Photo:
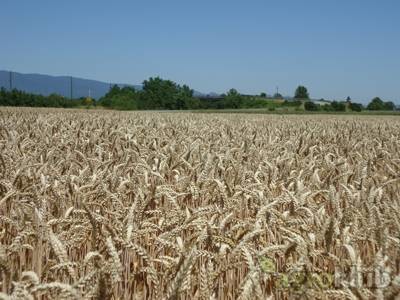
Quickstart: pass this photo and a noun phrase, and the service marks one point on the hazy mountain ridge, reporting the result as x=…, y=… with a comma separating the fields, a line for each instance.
x=47, y=84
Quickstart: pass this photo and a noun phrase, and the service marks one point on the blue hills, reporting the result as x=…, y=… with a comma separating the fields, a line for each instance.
x=46, y=85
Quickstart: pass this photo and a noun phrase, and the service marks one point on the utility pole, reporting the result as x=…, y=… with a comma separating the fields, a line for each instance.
x=11, y=83
x=70, y=83
x=277, y=89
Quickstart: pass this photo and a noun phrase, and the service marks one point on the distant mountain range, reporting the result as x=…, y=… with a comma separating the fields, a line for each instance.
x=47, y=84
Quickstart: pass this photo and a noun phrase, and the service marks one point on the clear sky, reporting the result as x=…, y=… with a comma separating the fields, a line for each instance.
x=335, y=48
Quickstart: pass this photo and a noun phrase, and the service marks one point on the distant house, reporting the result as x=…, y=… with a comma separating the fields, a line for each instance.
x=321, y=102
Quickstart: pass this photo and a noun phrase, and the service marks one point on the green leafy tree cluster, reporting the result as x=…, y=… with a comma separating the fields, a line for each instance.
x=165, y=94
x=157, y=93
x=125, y=98
x=378, y=104
x=301, y=93
x=20, y=98
x=233, y=99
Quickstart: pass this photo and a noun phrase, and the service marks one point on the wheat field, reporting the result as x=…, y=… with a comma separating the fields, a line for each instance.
x=155, y=205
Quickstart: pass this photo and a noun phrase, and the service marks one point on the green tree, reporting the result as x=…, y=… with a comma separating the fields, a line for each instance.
x=233, y=99
x=389, y=105
x=278, y=96
x=376, y=104
x=125, y=98
x=301, y=93
x=114, y=90
x=159, y=94
x=263, y=95
x=184, y=97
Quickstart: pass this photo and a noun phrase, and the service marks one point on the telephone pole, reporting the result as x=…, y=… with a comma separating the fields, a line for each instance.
x=70, y=85
x=11, y=83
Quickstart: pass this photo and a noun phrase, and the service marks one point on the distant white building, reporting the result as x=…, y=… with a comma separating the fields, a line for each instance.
x=321, y=102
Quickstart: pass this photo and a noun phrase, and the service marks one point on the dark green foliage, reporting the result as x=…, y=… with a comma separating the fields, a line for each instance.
x=157, y=93
x=165, y=94
x=125, y=98
x=301, y=93
x=327, y=107
x=378, y=104
x=338, y=106
x=311, y=106
x=160, y=94
x=356, y=107
x=278, y=96
x=389, y=105
x=233, y=99
x=254, y=102
x=19, y=98
x=294, y=103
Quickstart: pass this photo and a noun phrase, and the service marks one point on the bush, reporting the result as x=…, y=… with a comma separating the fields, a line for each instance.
x=338, y=106
x=356, y=107
x=311, y=106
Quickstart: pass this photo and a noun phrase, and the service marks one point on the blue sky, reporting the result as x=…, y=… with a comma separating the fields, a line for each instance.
x=335, y=48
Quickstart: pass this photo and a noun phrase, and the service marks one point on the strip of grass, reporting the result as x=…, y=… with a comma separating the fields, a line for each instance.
x=296, y=112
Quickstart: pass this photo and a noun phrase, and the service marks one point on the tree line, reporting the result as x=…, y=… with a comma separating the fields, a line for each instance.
x=155, y=94
x=20, y=98
x=165, y=94
x=376, y=103
x=160, y=94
